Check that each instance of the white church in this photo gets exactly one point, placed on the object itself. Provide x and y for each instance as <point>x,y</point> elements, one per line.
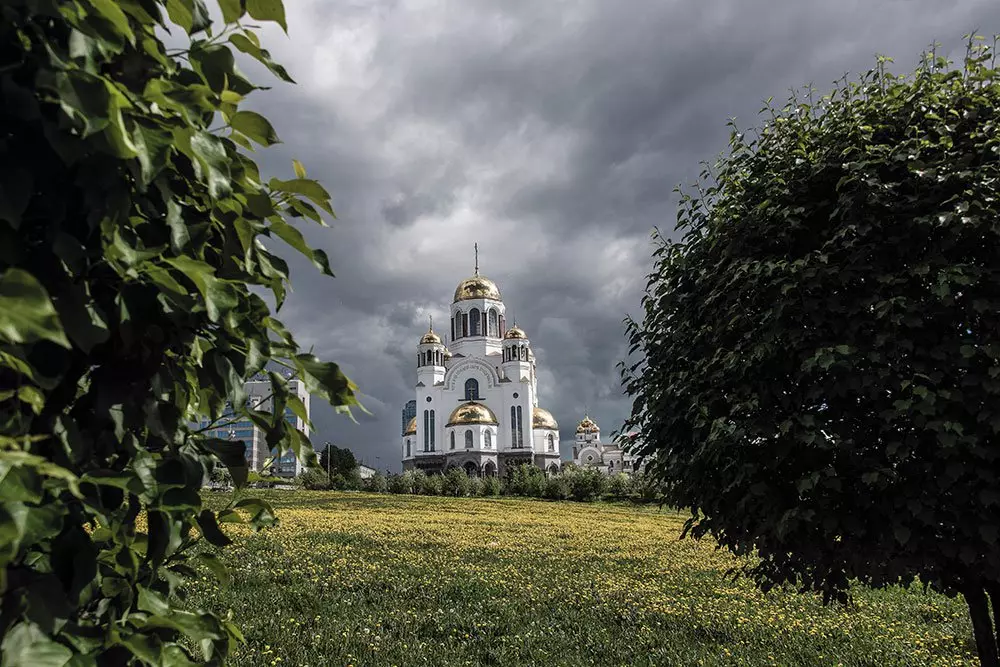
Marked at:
<point>477,398</point>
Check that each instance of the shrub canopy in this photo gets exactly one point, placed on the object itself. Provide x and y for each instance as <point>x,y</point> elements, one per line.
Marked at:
<point>818,372</point>
<point>131,228</point>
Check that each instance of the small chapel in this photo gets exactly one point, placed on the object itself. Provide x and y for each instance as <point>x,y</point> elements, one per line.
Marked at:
<point>477,394</point>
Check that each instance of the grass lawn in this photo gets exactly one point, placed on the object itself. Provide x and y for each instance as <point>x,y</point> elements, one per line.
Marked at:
<point>363,579</point>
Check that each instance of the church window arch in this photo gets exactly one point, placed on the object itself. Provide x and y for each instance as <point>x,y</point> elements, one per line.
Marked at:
<point>520,428</point>
<point>453,327</point>
<point>433,438</point>
<point>494,323</point>
<point>488,439</point>
<point>408,447</point>
<point>468,438</point>
<point>513,426</point>
<point>471,389</point>
<point>552,443</point>
<point>474,322</point>
<point>427,431</point>
<point>465,324</point>
<point>453,440</point>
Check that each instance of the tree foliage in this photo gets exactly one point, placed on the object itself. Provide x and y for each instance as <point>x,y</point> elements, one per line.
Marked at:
<point>338,460</point>
<point>818,372</point>
<point>136,235</point>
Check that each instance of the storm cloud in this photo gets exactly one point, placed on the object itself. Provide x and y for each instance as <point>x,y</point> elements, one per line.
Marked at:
<point>551,133</point>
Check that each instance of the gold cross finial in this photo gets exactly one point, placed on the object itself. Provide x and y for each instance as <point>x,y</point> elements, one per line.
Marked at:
<point>477,258</point>
<point>430,323</point>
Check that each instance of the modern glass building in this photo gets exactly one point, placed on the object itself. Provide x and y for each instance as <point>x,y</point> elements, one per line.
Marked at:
<point>409,412</point>
<point>258,390</point>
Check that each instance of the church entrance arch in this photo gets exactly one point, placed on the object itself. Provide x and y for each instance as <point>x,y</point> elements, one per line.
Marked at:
<point>490,469</point>
<point>471,469</point>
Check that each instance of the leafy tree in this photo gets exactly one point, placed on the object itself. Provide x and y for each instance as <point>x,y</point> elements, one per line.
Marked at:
<point>399,483</point>
<point>455,483</point>
<point>586,484</point>
<point>819,356</point>
<point>491,486</point>
<point>314,479</point>
<point>556,487</point>
<point>430,485</point>
<point>338,460</point>
<point>525,480</point>
<point>376,483</point>
<point>133,223</point>
<point>618,485</point>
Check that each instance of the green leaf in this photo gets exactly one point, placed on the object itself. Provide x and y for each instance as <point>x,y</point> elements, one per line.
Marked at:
<point>110,10</point>
<point>211,155</point>
<point>216,567</point>
<point>26,313</point>
<point>218,296</point>
<point>247,45</point>
<point>210,529</point>
<point>300,171</point>
<point>294,238</point>
<point>84,325</point>
<point>254,126</point>
<point>268,10</point>
<point>305,187</point>
<point>192,15</point>
<point>25,644</point>
<point>232,453</point>
<point>232,10</point>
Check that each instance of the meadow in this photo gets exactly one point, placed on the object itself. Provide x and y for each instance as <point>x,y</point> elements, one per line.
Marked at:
<point>367,579</point>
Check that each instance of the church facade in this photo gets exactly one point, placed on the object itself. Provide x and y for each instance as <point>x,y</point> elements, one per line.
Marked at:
<point>476,393</point>
<point>608,457</point>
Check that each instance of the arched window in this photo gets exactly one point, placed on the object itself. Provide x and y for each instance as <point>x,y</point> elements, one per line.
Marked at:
<point>552,443</point>
<point>474,322</point>
<point>465,324</point>
<point>407,447</point>
<point>471,389</point>
<point>468,438</point>
<point>427,431</point>
<point>488,439</point>
<point>433,438</point>
<point>453,440</point>
<point>513,426</point>
<point>453,328</point>
<point>520,428</point>
<point>494,323</point>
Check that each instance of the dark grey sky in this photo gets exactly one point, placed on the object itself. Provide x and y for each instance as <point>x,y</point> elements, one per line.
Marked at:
<point>551,133</point>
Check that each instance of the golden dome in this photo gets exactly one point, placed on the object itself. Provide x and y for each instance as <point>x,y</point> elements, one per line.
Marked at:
<point>543,419</point>
<point>447,353</point>
<point>411,428</point>
<point>588,425</point>
<point>471,413</point>
<point>430,338</point>
<point>515,332</point>
<point>477,287</point>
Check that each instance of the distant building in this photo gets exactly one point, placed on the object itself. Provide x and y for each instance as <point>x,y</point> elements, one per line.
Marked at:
<point>366,472</point>
<point>590,452</point>
<point>477,396</point>
<point>409,412</point>
<point>258,390</point>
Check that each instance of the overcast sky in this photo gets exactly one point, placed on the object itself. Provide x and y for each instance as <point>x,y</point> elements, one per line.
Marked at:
<point>551,133</point>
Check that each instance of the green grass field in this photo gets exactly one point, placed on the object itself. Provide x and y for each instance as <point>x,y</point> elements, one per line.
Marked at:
<point>362,579</point>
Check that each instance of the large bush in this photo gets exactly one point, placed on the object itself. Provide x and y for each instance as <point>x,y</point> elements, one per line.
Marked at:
<point>133,225</point>
<point>819,371</point>
<point>525,480</point>
<point>586,484</point>
<point>377,483</point>
<point>455,483</point>
<point>314,479</point>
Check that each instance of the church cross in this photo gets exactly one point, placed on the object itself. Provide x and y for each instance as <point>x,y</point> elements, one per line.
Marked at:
<point>477,258</point>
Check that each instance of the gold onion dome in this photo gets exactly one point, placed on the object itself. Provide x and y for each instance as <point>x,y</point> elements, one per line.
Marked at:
<point>588,425</point>
<point>471,413</point>
<point>477,287</point>
<point>430,338</point>
<point>543,419</point>
<point>515,332</point>
<point>411,428</point>
<point>447,353</point>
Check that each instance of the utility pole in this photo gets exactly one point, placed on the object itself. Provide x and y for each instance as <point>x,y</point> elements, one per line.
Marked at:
<point>327,443</point>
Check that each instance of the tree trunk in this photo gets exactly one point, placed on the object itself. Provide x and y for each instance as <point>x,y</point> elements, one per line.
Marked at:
<point>982,628</point>
<point>993,588</point>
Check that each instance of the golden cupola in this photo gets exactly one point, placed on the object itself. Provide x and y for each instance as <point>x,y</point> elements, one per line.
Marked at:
<point>430,338</point>
<point>477,287</point>
<point>587,425</point>
<point>411,428</point>
<point>515,333</point>
<point>472,413</point>
<point>543,419</point>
